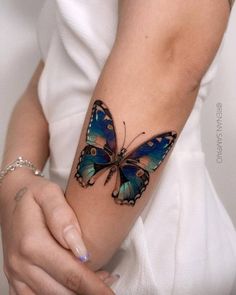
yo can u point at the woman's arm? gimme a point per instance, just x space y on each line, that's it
150 81
28 128
32 257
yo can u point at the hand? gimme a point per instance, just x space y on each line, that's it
34 262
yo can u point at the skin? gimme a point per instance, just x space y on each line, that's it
151 64
31 266
150 82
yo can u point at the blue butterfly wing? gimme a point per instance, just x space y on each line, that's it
101 130
131 183
93 161
135 168
151 153
99 153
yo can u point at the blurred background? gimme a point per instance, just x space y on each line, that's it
19 55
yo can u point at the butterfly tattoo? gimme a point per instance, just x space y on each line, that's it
133 168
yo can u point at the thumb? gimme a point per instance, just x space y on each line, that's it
61 220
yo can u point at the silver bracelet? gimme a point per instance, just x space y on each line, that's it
19 163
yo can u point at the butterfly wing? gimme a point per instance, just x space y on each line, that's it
101 130
136 166
130 184
99 153
151 153
93 161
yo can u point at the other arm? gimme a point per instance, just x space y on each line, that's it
150 80
30 266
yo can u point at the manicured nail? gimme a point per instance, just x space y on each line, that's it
111 279
75 242
84 258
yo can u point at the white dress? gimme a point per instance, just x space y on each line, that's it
184 243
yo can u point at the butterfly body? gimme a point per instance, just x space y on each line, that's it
132 168
116 164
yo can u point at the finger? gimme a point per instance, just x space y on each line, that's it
40 283
69 271
21 288
102 274
12 290
61 220
107 278
111 279
59 263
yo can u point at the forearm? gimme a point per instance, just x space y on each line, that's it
105 223
27 133
150 81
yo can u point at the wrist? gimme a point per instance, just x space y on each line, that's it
12 183
19 162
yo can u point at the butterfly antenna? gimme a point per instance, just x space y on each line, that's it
134 139
125 135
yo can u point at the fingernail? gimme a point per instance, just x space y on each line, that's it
84 258
111 279
116 276
75 242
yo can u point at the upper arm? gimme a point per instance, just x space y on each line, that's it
150 81
32 88
30 98
179 36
